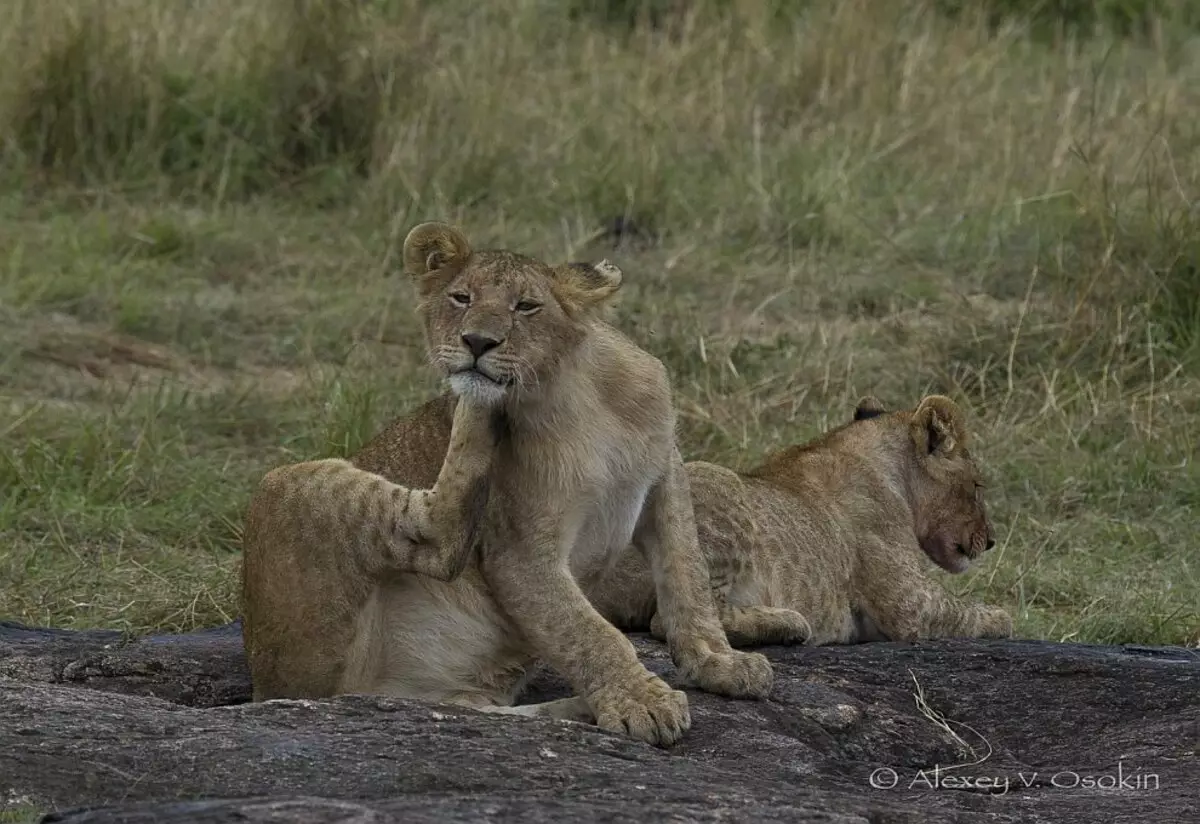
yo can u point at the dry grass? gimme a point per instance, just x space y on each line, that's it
205 200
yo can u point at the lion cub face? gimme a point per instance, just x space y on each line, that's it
951 519
498 323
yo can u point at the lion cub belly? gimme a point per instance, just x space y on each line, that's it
445 640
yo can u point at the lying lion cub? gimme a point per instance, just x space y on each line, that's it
827 542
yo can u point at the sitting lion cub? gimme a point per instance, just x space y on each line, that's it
585 464
827 542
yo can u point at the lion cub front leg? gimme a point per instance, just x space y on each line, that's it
932 613
687 613
955 618
908 606
524 563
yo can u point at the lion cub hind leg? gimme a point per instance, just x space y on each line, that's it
753 624
330 511
454 508
432 531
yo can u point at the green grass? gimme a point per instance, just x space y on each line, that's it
20 813
198 250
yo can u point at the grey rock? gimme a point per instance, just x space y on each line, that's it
198 669
109 729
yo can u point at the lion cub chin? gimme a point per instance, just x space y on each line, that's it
830 541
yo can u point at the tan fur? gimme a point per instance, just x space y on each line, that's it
319 533
585 465
828 542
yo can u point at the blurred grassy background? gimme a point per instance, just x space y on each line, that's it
201 202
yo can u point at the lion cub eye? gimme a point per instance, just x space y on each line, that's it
460 298
528 307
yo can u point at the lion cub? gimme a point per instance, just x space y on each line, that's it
827 542
585 466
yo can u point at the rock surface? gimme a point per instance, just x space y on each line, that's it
108 729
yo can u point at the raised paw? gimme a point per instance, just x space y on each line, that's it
755 625
646 710
734 674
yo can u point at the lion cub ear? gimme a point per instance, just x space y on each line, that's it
869 407
583 286
432 251
938 426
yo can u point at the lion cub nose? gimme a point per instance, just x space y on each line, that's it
479 344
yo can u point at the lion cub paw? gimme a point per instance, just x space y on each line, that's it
648 711
755 625
995 623
733 674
